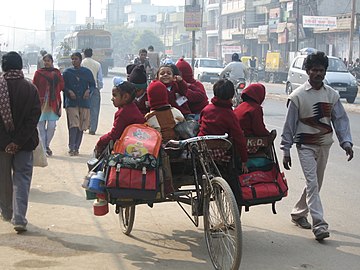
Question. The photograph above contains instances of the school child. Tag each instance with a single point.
(177, 88)
(162, 116)
(218, 118)
(123, 95)
(250, 113)
(138, 77)
(196, 94)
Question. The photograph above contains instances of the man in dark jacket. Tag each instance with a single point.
(19, 115)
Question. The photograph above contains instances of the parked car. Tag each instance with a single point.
(207, 69)
(337, 76)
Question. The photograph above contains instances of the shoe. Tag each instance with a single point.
(302, 223)
(49, 153)
(92, 132)
(76, 152)
(20, 228)
(322, 235)
(71, 153)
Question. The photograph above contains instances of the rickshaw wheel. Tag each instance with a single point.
(127, 217)
(222, 226)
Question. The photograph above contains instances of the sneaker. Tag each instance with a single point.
(48, 152)
(71, 153)
(76, 152)
(92, 132)
(20, 228)
(321, 235)
(302, 223)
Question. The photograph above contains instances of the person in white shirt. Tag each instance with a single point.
(95, 98)
(236, 69)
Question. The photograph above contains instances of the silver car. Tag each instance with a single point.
(337, 76)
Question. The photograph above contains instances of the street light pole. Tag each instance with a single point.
(297, 24)
(351, 34)
(53, 29)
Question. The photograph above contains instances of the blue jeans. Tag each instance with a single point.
(94, 109)
(47, 131)
(15, 180)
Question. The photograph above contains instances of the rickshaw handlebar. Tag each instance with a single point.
(180, 144)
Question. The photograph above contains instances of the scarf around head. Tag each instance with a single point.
(5, 108)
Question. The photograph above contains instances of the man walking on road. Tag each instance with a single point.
(95, 98)
(314, 109)
(19, 115)
(79, 85)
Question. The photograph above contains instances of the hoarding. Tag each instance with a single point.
(319, 22)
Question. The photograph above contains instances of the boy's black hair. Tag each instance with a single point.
(76, 54)
(174, 69)
(11, 60)
(88, 52)
(224, 89)
(316, 59)
(143, 50)
(127, 87)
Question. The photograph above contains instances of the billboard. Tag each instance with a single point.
(319, 22)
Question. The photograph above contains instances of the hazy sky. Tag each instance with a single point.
(30, 13)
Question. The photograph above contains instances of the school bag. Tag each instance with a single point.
(265, 183)
(133, 166)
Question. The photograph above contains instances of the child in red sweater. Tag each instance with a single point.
(218, 118)
(250, 113)
(123, 95)
(196, 94)
(177, 89)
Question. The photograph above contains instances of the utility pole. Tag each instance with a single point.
(89, 8)
(53, 29)
(297, 24)
(220, 31)
(351, 34)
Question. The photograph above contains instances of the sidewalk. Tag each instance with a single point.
(117, 71)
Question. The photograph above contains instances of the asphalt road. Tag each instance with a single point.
(63, 233)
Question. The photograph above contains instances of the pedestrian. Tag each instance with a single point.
(20, 112)
(196, 94)
(154, 60)
(137, 76)
(95, 97)
(79, 85)
(143, 60)
(49, 83)
(123, 95)
(40, 62)
(314, 110)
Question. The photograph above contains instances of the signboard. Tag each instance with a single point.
(192, 18)
(319, 22)
(230, 49)
(274, 19)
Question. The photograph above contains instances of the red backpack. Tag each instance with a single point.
(133, 164)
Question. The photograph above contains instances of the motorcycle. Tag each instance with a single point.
(239, 87)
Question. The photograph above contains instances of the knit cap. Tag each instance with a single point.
(129, 68)
(138, 77)
(157, 95)
(186, 70)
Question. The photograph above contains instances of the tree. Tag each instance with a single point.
(146, 38)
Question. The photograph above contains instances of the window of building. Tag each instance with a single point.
(143, 18)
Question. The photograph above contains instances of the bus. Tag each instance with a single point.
(91, 36)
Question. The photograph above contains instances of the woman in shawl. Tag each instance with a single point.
(49, 83)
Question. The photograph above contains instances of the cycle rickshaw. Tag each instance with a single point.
(198, 180)
(197, 183)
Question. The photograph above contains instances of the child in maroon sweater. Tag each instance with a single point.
(138, 77)
(218, 118)
(177, 89)
(196, 94)
(128, 113)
